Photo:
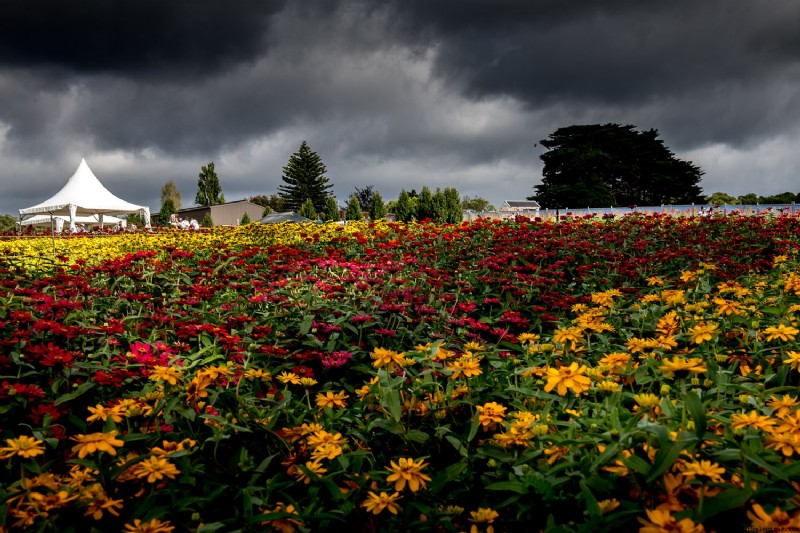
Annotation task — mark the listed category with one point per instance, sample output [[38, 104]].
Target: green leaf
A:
[[724, 501], [765, 465], [665, 458], [81, 389], [305, 325], [473, 429], [457, 444], [513, 486], [697, 412], [416, 435], [449, 474], [591, 502]]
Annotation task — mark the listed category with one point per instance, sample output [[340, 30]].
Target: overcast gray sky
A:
[[394, 94]]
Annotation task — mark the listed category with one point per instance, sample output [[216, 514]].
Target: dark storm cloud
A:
[[150, 37], [701, 57]]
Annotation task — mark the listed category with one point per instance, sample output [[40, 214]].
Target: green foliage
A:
[[377, 209], [331, 211], [308, 210], [207, 221], [135, 219], [721, 198], [404, 209], [353, 211], [365, 196], [209, 191], [613, 165], [782, 198], [476, 204], [267, 210], [273, 201], [451, 206], [750, 198], [7, 223], [167, 209], [170, 191], [426, 205], [245, 219], [304, 176]]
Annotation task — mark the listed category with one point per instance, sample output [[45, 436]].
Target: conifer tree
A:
[[331, 211], [353, 211], [426, 206], [308, 210], [209, 191], [404, 210], [452, 212], [377, 209], [304, 176], [167, 208]]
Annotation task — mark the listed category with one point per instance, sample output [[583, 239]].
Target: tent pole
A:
[[53, 234]]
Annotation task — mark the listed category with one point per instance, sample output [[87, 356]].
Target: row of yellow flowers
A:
[[37, 252]]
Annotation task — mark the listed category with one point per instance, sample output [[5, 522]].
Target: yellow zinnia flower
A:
[[170, 374], [793, 359], [154, 469], [741, 421], [680, 367], [781, 332], [704, 470], [101, 412], [153, 526], [376, 503], [663, 521], [23, 446], [332, 399], [567, 377], [406, 470], [97, 442], [387, 358], [483, 516], [313, 466], [705, 331], [491, 412], [777, 520]]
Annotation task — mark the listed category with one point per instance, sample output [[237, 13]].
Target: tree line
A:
[[306, 190]]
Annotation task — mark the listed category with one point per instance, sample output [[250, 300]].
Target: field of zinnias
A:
[[636, 373]]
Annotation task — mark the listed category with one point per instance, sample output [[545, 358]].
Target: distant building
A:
[[525, 208], [227, 214]]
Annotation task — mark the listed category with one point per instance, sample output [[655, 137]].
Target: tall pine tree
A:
[[209, 191], [304, 176]]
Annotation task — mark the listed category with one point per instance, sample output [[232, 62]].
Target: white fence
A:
[[675, 210]]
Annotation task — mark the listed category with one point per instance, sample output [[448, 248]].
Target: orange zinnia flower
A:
[[567, 377]]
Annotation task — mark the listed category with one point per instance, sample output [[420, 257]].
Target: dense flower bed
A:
[[575, 376]]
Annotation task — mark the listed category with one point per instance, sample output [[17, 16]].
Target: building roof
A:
[[530, 204], [195, 207], [288, 216]]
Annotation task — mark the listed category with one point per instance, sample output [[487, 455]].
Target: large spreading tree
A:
[[209, 191], [603, 165], [304, 176]]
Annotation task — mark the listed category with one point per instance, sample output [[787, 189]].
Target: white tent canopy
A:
[[84, 195], [59, 220]]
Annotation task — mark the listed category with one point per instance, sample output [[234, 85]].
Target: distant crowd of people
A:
[[177, 222]]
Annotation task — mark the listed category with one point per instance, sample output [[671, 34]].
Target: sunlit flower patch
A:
[[634, 374]]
